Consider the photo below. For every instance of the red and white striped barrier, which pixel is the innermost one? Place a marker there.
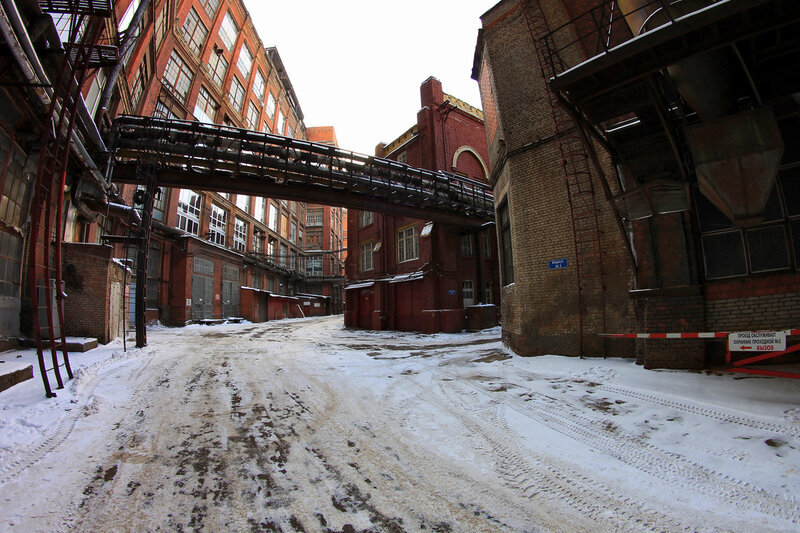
(701, 335)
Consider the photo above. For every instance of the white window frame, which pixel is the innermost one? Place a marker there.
(407, 244)
(245, 61)
(239, 234)
(228, 32)
(365, 256)
(217, 224)
(189, 203)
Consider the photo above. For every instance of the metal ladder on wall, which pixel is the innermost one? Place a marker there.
(575, 164)
(45, 231)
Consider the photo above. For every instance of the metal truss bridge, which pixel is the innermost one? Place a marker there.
(194, 155)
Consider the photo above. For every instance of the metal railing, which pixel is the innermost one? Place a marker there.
(306, 169)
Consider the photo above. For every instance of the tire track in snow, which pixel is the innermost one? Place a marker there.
(669, 467)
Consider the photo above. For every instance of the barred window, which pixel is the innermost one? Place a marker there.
(240, 235)
(407, 244)
(245, 61)
(217, 67)
(252, 116)
(365, 256)
(217, 225)
(205, 109)
(259, 86)
(228, 31)
(194, 32)
(189, 211)
(237, 94)
(178, 76)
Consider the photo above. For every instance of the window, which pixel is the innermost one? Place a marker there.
(163, 23)
(281, 123)
(505, 243)
(237, 94)
(273, 216)
(468, 290)
(127, 17)
(228, 31)
(284, 255)
(466, 245)
(257, 280)
(217, 67)
(365, 218)
(162, 110)
(314, 239)
(402, 157)
(259, 86)
(239, 235)
(194, 32)
(138, 84)
(407, 244)
(245, 61)
(160, 204)
(178, 76)
(243, 202)
(271, 106)
(95, 90)
(365, 256)
(487, 299)
(217, 225)
(259, 209)
(211, 7)
(189, 211)
(271, 250)
(258, 241)
(314, 266)
(314, 216)
(284, 225)
(206, 107)
(266, 128)
(293, 233)
(252, 116)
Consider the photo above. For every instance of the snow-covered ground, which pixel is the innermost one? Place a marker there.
(301, 425)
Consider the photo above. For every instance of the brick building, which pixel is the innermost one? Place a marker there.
(410, 274)
(217, 255)
(325, 244)
(644, 184)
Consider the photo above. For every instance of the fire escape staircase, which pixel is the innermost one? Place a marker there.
(45, 231)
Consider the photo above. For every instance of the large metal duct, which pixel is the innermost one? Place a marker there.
(736, 153)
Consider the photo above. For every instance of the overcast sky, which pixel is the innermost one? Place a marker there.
(357, 64)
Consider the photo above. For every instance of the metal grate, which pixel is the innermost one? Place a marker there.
(99, 8)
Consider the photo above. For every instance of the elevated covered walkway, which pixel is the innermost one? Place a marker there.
(234, 160)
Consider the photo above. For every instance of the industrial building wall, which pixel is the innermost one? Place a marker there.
(540, 305)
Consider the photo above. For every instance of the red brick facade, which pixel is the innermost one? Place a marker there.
(409, 274)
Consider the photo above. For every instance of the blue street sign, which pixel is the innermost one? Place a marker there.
(555, 264)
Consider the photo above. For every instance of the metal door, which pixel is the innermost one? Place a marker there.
(202, 297)
(230, 298)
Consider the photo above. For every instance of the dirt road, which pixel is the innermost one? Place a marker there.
(304, 426)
